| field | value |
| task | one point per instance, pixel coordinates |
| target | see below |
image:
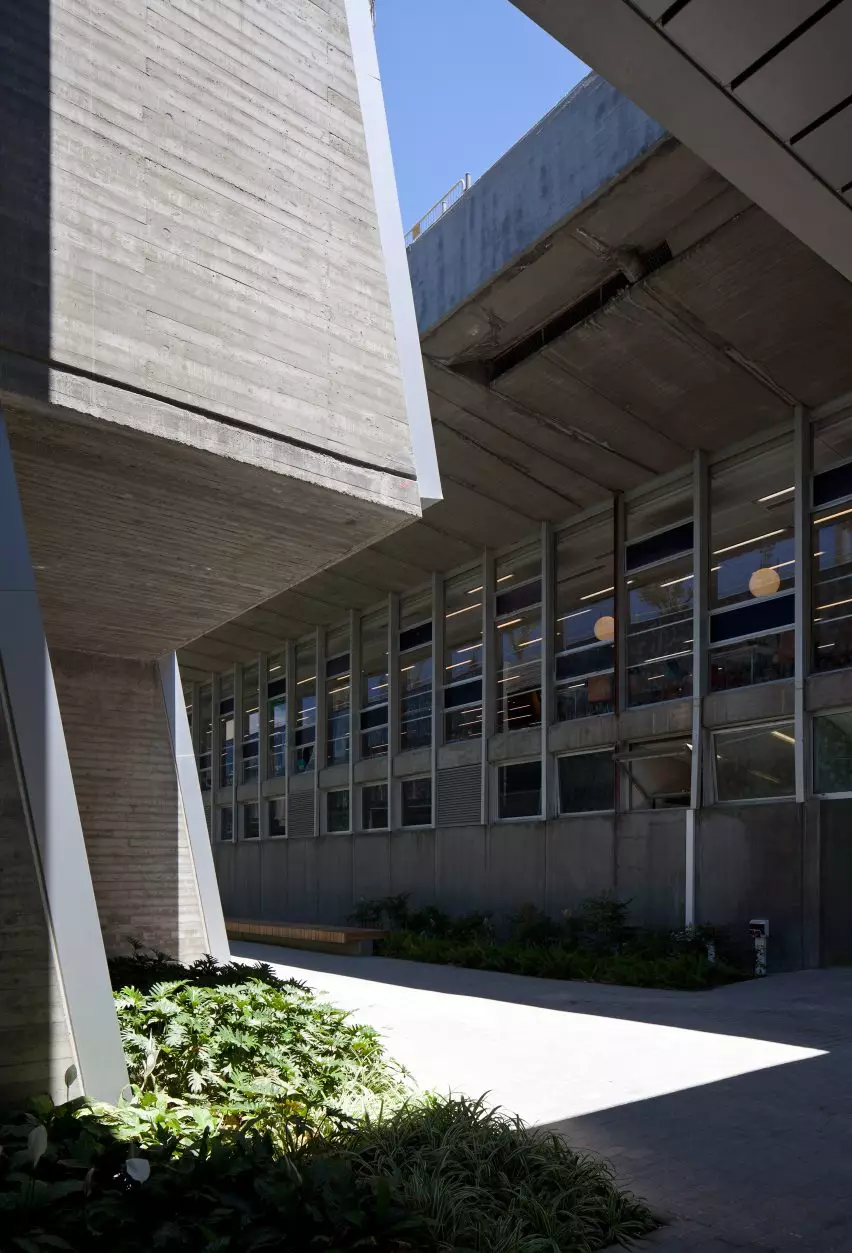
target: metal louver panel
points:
(301, 817)
(459, 792)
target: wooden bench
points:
(353, 941)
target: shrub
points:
(144, 967)
(487, 1183)
(257, 1054)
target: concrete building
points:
(211, 390)
(617, 655)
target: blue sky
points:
(463, 80)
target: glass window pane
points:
(416, 802)
(832, 588)
(225, 822)
(276, 715)
(755, 763)
(250, 820)
(463, 655)
(833, 753)
(753, 661)
(657, 510)
(250, 723)
(374, 807)
(374, 685)
(659, 774)
(415, 672)
(306, 707)
(659, 632)
(226, 730)
(519, 790)
(337, 811)
(337, 696)
(585, 621)
(205, 736)
(278, 816)
(518, 657)
(586, 782)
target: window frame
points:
(787, 723)
(362, 788)
(606, 751)
(334, 791)
(416, 826)
(503, 765)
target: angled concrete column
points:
(67, 984)
(213, 920)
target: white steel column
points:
(802, 594)
(189, 786)
(35, 726)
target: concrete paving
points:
(729, 1111)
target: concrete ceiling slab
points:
(704, 29)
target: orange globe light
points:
(764, 582)
(605, 629)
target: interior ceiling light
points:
(834, 605)
(785, 491)
(782, 735)
(764, 581)
(674, 582)
(717, 552)
(501, 626)
(466, 609)
(831, 516)
(593, 595)
(604, 629)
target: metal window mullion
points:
(393, 697)
(489, 676)
(619, 520)
(437, 680)
(289, 745)
(262, 741)
(215, 754)
(354, 708)
(700, 601)
(802, 594)
(320, 721)
(548, 615)
(237, 770)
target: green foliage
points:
(257, 1055)
(488, 1183)
(89, 1192)
(144, 967)
(393, 913)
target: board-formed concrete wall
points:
(130, 805)
(213, 235)
(553, 865)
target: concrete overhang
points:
(760, 89)
(644, 309)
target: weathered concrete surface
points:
(729, 1111)
(588, 139)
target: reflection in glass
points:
(586, 782)
(250, 749)
(585, 621)
(226, 730)
(463, 656)
(833, 753)
(659, 631)
(832, 588)
(277, 813)
(276, 715)
(337, 697)
(519, 790)
(205, 736)
(415, 672)
(416, 802)
(374, 807)
(305, 731)
(518, 638)
(755, 763)
(337, 811)
(374, 686)
(225, 815)
(250, 818)
(659, 774)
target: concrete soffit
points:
(392, 238)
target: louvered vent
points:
(301, 821)
(459, 793)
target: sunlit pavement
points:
(729, 1111)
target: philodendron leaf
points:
(37, 1143)
(138, 1168)
(70, 1075)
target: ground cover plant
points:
(262, 1118)
(594, 943)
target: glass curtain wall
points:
(374, 685)
(518, 639)
(658, 565)
(832, 545)
(463, 656)
(752, 568)
(226, 729)
(205, 736)
(276, 715)
(250, 746)
(337, 696)
(415, 672)
(305, 731)
(584, 643)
